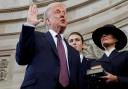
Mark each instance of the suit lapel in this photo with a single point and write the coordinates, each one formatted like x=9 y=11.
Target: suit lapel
x=49 y=38
x=107 y=59
x=68 y=51
x=53 y=46
x=104 y=57
x=107 y=62
x=113 y=54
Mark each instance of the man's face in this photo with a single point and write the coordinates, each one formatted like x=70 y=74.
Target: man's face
x=76 y=42
x=57 y=17
x=108 y=40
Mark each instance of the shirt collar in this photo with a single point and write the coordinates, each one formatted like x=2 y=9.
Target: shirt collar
x=53 y=33
x=81 y=57
x=109 y=52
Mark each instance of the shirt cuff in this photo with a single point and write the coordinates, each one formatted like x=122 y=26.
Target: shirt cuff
x=28 y=24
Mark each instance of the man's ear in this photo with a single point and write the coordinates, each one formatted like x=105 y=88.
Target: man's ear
x=47 y=21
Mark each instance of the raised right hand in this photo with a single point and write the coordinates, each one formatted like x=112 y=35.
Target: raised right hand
x=32 y=15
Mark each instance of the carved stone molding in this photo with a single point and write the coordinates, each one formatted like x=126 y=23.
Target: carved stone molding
x=4 y=67
x=17 y=9
x=69 y=9
x=115 y=6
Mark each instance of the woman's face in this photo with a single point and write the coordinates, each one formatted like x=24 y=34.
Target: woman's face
x=108 y=40
x=75 y=41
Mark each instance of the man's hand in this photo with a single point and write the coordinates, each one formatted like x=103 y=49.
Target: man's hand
x=32 y=15
x=110 y=78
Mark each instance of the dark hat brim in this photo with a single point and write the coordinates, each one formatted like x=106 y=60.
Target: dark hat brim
x=110 y=29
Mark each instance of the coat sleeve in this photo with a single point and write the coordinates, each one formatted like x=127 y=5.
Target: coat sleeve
x=25 y=46
x=124 y=79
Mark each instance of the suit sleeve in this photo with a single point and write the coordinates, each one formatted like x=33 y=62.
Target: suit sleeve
x=124 y=79
x=25 y=46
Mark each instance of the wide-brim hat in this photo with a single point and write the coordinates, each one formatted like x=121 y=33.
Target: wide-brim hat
x=110 y=29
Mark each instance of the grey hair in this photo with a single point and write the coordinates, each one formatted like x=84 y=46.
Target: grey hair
x=47 y=10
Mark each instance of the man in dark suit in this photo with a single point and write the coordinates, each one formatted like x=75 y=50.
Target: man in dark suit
x=115 y=64
x=51 y=62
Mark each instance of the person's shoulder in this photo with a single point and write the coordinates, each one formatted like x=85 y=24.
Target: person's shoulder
x=124 y=52
x=89 y=59
x=73 y=49
x=39 y=33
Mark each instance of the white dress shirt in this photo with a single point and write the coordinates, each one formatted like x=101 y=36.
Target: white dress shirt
x=53 y=33
x=109 y=52
x=81 y=57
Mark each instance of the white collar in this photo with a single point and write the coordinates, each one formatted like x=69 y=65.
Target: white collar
x=109 y=52
x=81 y=57
x=53 y=33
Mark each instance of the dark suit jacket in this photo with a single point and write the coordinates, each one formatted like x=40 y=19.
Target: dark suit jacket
x=116 y=64
x=85 y=65
x=38 y=51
